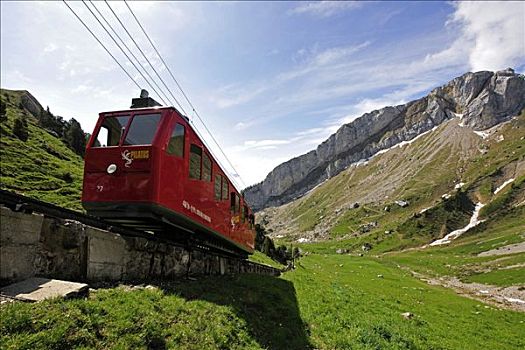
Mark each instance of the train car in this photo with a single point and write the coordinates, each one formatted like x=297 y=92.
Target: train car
x=147 y=168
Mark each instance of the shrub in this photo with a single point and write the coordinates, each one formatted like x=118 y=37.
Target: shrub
x=20 y=129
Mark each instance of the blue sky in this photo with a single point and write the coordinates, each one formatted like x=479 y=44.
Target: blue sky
x=271 y=79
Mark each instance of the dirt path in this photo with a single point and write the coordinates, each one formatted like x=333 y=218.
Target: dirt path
x=508 y=249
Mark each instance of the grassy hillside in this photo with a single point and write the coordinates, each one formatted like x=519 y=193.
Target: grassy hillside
x=359 y=205
x=328 y=302
x=42 y=167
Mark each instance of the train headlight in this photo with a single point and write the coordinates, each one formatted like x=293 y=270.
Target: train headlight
x=111 y=169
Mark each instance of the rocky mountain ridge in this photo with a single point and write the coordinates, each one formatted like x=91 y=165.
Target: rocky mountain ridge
x=482 y=100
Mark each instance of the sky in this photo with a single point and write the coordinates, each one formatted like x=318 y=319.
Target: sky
x=271 y=80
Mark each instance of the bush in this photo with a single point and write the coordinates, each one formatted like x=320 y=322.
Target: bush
x=67 y=177
x=20 y=129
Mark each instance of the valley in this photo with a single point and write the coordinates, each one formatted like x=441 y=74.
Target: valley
x=368 y=276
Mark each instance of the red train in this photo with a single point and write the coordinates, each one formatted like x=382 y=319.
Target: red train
x=147 y=168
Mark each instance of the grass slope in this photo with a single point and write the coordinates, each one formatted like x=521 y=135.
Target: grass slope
x=262 y=258
x=328 y=302
x=42 y=167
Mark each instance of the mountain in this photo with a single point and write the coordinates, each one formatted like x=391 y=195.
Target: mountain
x=481 y=100
x=38 y=161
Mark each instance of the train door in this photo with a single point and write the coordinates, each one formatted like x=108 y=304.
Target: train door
x=172 y=171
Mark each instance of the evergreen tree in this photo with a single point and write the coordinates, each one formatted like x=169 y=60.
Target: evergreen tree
x=75 y=137
x=20 y=129
x=3 y=111
x=260 y=235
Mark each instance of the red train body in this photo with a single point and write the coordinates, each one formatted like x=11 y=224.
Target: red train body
x=148 y=169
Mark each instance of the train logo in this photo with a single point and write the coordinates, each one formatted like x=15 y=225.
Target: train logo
x=126 y=156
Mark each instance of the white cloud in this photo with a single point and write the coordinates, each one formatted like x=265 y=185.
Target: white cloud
x=325 y=8
x=494 y=32
x=264 y=144
x=229 y=96
x=50 y=48
x=335 y=54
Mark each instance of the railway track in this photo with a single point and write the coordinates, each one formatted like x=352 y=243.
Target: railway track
x=20 y=203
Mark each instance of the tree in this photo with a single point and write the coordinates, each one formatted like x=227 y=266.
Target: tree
x=75 y=137
x=268 y=247
x=20 y=129
x=3 y=111
x=260 y=235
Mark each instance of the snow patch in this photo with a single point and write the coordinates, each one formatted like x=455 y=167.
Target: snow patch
x=361 y=162
x=459 y=185
x=515 y=300
x=402 y=143
x=503 y=185
x=483 y=134
x=455 y=234
x=424 y=210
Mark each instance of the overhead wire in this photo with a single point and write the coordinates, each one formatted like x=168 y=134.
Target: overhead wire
x=184 y=94
x=145 y=57
x=125 y=54
x=101 y=44
x=127 y=48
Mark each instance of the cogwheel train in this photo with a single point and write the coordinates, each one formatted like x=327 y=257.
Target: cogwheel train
x=147 y=168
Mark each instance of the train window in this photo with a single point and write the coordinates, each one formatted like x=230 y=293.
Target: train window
x=176 y=145
x=142 y=129
x=224 y=189
x=206 y=168
x=218 y=187
x=235 y=202
x=244 y=210
x=232 y=202
x=195 y=162
x=111 y=131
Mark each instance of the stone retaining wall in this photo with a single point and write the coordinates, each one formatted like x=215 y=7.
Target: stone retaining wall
x=35 y=245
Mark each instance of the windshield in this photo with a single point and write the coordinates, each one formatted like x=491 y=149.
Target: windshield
x=111 y=131
x=142 y=129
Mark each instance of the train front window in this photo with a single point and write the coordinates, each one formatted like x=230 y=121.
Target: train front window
x=142 y=129
x=111 y=131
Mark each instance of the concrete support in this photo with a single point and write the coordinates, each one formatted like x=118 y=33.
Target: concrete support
x=33 y=245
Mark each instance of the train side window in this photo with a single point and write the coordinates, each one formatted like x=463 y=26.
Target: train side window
x=232 y=202
x=206 y=168
x=235 y=202
x=195 y=162
x=218 y=187
x=224 y=189
x=142 y=129
x=111 y=131
x=244 y=211
x=176 y=144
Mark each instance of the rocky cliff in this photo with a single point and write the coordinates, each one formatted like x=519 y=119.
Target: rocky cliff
x=481 y=100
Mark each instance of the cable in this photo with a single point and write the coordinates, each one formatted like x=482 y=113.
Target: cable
x=109 y=53
x=125 y=54
x=145 y=57
x=184 y=94
x=127 y=48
